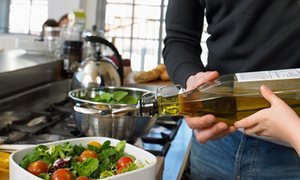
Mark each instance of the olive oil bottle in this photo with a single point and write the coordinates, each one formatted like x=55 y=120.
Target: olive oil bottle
x=229 y=98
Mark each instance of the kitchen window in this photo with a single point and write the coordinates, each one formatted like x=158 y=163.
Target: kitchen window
x=27 y=16
x=137 y=29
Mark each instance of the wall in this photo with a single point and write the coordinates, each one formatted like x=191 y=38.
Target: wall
x=57 y=8
x=90 y=8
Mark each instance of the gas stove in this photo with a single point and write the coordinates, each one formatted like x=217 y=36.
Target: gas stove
x=44 y=114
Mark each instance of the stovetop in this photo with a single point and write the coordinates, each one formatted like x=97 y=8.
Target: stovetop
x=42 y=118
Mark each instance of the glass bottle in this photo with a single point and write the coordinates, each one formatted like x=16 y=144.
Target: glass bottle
x=229 y=98
x=72 y=57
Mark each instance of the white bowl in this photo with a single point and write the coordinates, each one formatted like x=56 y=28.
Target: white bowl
x=16 y=172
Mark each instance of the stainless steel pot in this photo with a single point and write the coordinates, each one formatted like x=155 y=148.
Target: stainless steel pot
x=119 y=121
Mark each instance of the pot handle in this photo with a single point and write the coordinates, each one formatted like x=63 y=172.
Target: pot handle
x=97 y=39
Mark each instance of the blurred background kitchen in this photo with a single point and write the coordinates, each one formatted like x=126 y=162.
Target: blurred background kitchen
x=135 y=27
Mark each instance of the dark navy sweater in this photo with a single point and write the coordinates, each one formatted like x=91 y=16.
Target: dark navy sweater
x=245 y=35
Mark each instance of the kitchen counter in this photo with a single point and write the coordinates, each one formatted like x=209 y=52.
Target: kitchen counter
x=129 y=81
x=20 y=71
x=18 y=59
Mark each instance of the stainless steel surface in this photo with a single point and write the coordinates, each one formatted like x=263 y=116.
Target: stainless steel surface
x=99 y=67
x=95 y=73
x=19 y=106
x=105 y=111
x=122 y=123
x=20 y=71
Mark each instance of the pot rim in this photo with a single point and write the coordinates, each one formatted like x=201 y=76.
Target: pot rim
x=74 y=93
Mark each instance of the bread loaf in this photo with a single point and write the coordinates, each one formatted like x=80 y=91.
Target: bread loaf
x=159 y=72
x=147 y=76
x=165 y=76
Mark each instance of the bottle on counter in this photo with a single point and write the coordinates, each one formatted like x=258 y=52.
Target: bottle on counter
x=72 y=57
x=229 y=98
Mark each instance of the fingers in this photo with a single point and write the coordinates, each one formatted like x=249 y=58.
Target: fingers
x=200 y=122
x=207 y=128
x=253 y=130
x=200 y=78
x=268 y=94
x=246 y=122
x=207 y=76
x=214 y=132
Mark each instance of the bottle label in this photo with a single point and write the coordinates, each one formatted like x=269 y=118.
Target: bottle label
x=66 y=64
x=268 y=75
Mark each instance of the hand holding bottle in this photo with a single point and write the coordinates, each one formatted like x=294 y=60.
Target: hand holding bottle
x=279 y=121
x=206 y=127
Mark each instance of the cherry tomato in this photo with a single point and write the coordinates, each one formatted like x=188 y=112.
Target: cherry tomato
x=95 y=143
x=124 y=161
x=38 y=167
x=82 y=178
x=62 y=174
x=87 y=154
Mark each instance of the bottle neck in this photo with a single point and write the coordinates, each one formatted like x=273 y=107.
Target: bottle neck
x=148 y=105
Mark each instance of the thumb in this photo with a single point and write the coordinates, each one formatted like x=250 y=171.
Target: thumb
x=268 y=94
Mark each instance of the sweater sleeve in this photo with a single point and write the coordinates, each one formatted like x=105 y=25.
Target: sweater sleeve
x=182 y=51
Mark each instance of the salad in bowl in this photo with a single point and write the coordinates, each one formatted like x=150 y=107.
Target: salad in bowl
x=83 y=158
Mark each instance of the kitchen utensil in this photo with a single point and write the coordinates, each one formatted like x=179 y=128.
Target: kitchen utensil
x=100 y=69
x=120 y=121
x=146 y=173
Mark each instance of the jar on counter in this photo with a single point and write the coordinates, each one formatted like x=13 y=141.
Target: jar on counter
x=51 y=40
x=72 y=56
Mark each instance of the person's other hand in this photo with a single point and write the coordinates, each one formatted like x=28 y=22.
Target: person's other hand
x=279 y=121
x=206 y=127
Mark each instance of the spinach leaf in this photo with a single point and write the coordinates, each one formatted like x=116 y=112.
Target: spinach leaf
x=105 y=145
x=129 y=100
x=96 y=173
x=94 y=148
x=38 y=153
x=78 y=149
x=88 y=167
x=105 y=164
x=120 y=146
x=119 y=95
x=116 y=97
x=104 y=97
x=107 y=153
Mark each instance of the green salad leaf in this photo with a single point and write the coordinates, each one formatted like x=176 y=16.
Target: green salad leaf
x=117 y=97
x=68 y=156
x=88 y=167
x=105 y=97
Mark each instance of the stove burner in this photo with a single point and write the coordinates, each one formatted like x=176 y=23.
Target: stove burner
x=158 y=140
